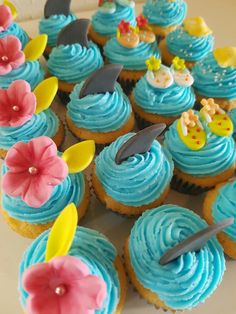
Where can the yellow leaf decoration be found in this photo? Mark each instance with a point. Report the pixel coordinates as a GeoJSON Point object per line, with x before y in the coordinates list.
{"type": "Point", "coordinates": [196, 26]}
{"type": "Point", "coordinates": [12, 8]}
{"type": "Point", "coordinates": [178, 64]}
{"type": "Point", "coordinates": [35, 48]}
{"type": "Point", "coordinates": [225, 57]}
{"type": "Point", "coordinates": [153, 64]}
{"type": "Point", "coordinates": [45, 93]}
{"type": "Point", "coordinates": [79, 156]}
{"type": "Point", "coordinates": [62, 233]}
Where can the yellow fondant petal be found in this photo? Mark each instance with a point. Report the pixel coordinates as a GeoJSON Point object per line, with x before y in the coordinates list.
{"type": "Point", "coordinates": [225, 57]}
{"type": "Point", "coordinates": [12, 8]}
{"type": "Point", "coordinates": [196, 27]}
{"type": "Point", "coordinates": [79, 156]}
{"type": "Point", "coordinates": [45, 93]}
{"type": "Point", "coordinates": [62, 233]}
{"type": "Point", "coordinates": [35, 48]}
{"type": "Point", "coordinates": [195, 139]}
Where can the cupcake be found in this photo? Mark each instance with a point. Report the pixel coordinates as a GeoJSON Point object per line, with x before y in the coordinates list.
{"type": "Point", "coordinates": [38, 182]}
{"type": "Point", "coordinates": [57, 15]}
{"type": "Point", "coordinates": [8, 26]}
{"type": "Point", "coordinates": [18, 64]}
{"type": "Point", "coordinates": [220, 204]}
{"type": "Point", "coordinates": [131, 47]}
{"type": "Point", "coordinates": [74, 58]}
{"type": "Point", "coordinates": [98, 108]}
{"type": "Point", "coordinates": [71, 270]}
{"type": "Point", "coordinates": [170, 263]}
{"type": "Point", "coordinates": [165, 15]}
{"type": "Point", "coordinates": [30, 116]}
{"type": "Point", "coordinates": [202, 148]}
{"type": "Point", "coordinates": [107, 18]}
{"type": "Point", "coordinates": [163, 93]}
{"type": "Point", "coordinates": [215, 77]}
{"type": "Point", "coordinates": [192, 42]}
{"type": "Point", "coordinates": [133, 174]}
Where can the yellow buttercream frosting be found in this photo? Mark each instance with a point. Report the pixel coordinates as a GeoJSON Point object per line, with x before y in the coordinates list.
{"type": "Point", "coordinates": [196, 26]}
{"type": "Point", "coordinates": [225, 57]}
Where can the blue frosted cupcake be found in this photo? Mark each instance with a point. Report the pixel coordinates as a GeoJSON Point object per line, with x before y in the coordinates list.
{"type": "Point", "coordinates": [191, 42]}
{"type": "Point", "coordinates": [183, 283]}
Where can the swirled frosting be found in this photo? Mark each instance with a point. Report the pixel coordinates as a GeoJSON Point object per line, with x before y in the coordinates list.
{"type": "Point", "coordinates": [165, 13]}
{"type": "Point", "coordinates": [215, 157]}
{"type": "Point", "coordinates": [171, 101]}
{"type": "Point", "coordinates": [191, 278]}
{"type": "Point", "coordinates": [211, 80]}
{"type": "Point", "coordinates": [16, 30]}
{"type": "Point", "coordinates": [45, 123]}
{"type": "Point", "coordinates": [139, 180]}
{"type": "Point", "coordinates": [224, 207]}
{"type": "Point", "coordinates": [30, 71]}
{"type": "Point", "coordinates": [106, 23]}
{"type": "Point", "coordinates": [232, 114]}
{"type": "Point", "coordinates": [100, 112]}
{"type": "Point", "coordinates": [94, 250]}
{"type": "Point", "coordinates": [130, 58]}
{"type": "Point", "coordinates": [53, 25]}
{"type": "Point", "coordinates": [190, 48]}
{"type": "Point", "coordinates": [74, 63]}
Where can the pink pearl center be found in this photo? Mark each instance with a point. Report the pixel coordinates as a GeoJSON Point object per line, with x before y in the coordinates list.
{"type": "Point", "coordinates": [60, 290]}
{"type": "Point", "coordinates": [4, 58]}
{"type": "Point", "coordinates": [16, 108]}
{"type": "Point", "coordinates": [33, 170]}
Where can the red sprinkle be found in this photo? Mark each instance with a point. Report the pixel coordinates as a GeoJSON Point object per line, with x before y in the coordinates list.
{"type": "Point", "coordinates": [198, 130]}
{"type": "Point", "coordinates": [198, 142]}
{"type": "Point", "coordinates": [228, 129]}
{"type": "Point", "coordinates": [219, 123]}
{"type": "Point", "coordinates": [193, 137]}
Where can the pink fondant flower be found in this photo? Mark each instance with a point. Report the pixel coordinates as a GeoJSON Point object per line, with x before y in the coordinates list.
{"type": "Point", "coordinates": [11, 56]}
{"type": "Point", "coordinates": [17, 104]}
{"type": "Point", "coordinates": [124, 27]}
{"type": "Point", "coordinates": [5, 17]}
{"type": "Point", "coordinates": [33, 170]}
{"type": "Point", "coordinates": [63, 285]}
{"type": "Point", "coordinates": [141, 21]}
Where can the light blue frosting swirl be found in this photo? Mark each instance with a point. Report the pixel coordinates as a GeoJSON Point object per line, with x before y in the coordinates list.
{"type": "Point", "coordinates": [215, 157]}
{"type": "Point", "coordinates": [191, 278]}
{"type": "Point", "coordinates": [171, 101]}
{"type": "Point", "coordinates": [16, 30]}
{"type": "Point", "coordinates": [191, 48]}
{"type": "Point", "coordinates": [213, 81]}
{"type": "Point", "coordinates": [74, 63]}
{"type": "Point", "coordinates": [45, 123]}
{"type": "Point", "coordinates": [106, 24]}
{"type": "Point", "coordinates": [232, 114]}
{"type": "Point", "coordinates": [94, 249]}
{"type": "Point", "coordinates": [224, 207]}
{"type": "Point", "coordinates": [165, 13]}
{"type": "Point", "coordinates": [140, 179]}
{"type": "Point", "coordinates": [53, 25]}
{"type": "Point", "coordinates": [99, 112]}
{"type": "Point", "coordinates": [30, 71]}
{"type": "Point", "coordinates": [130, 58]}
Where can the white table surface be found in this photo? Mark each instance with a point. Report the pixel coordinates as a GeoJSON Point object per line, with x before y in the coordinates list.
{"type": "Point", "coordinates": [220, 17]}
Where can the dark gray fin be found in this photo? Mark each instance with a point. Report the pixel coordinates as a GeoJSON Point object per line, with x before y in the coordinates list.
{"type": "Point", "coordinates": [55, 7]}
{"type": "Point", "coordinates": [140, 143]}
{"type": "Point", "coordinates": [74, 33]}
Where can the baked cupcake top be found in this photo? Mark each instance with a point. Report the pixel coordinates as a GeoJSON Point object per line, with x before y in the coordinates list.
{"type": "Point", "coordinates": [192, 277]}
{"type": "Point", "coordinates": [215, 75]}
{"type": "Point", "coordinates": [74, 58]}
{"type": "Point", "coordinates": [140, 178]}
{"type": "Point", "coordinates": [8, 26]}
{"type": "Point", "coordinates": [99, 284]}
{"type": "Point", "coordinates": [163, 90]}
{"type": "Point", "coordinates": [165, 12]}
{"type": "Point", "coordinates": [99, 103]}
{"type": "Point", "coordinates": [192, 42]}
{"type": "Point", "coordinates": [30, 116]}
{"type": "Point", "coordinates": [132, 46]}
{"type": "Point", "coordinates": [200, 147]}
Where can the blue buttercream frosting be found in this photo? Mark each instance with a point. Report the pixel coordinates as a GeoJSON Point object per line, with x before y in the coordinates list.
{"type": "Point", "coordinates": [232, 114]}
{"type": "Point", "coordinates": [106, 24]}
{"type": "Point", "coordinates": [224, 206]}
{"type": "Point", "coordinates": [186, 281]}
{"type": "Point", "coordinates": [99, 112]}
{"type": "Point", "coordinates": [140, 179]}
{"type": "Point", "coordinates": [53, 25]}
{"type": "Point", "coordinates": [190, 48]}
{"type": "Point", "coordinates": [214, 158]}
{"type": "Point", "coordinates": [94, 250]}
{"type": "Point", "coordinates": [165, 13]}
{"type": "Point", "coordinates": [171, 101]}
{"type": "Point", "coordinates": [16, 30]}
{"type": "Point", "coordinates": [130, 58]}
{"type": "Point", "coordinates": [30, 71]}
{"type": "Point", "coordinates": [211, 80]}
{"type": "Point", "coordinates": [45, 123]}
{"type": "Point", "coordinates": [74, 63]}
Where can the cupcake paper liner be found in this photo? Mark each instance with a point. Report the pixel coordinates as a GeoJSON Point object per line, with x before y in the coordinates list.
{"type": "Point", "coordinates": [186, 187]}
{"type": "Point", "coordinates": [64, 97]}
{"type": "Point", "coordinates": [127, 85]}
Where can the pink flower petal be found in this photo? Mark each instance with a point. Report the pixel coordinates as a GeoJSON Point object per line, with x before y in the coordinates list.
{"type": "Point", "coordinates": [14, 184]}
{"type": "Point", "coordinates": [5, 69]}
{"type": "Point", "coordinates": [54, 170]}
{"type": "Point", "coordinates": [5, 17]}
{"type": "Point", "coordinates": [11, 45]}
{"type": "Point", "coordinates": [44, 304]}
{"type": "Point", "coordinates": [42, 148]}
{"type": "Point", "coordinates": [17, 91]}
{"type": "Point", "coordinates": [74, 301]}
{"type": "Point", "coordinates": [18, 158]}
{"type": "Point", "coordinates": [17, 59]}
